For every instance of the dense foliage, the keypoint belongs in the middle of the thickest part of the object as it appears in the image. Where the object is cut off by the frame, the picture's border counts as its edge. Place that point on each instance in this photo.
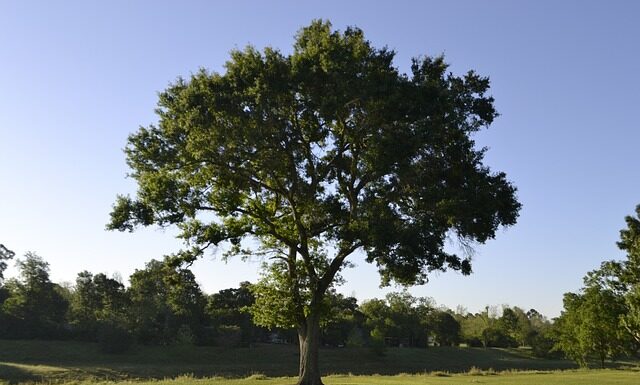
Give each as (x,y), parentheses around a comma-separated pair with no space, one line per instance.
(603,319)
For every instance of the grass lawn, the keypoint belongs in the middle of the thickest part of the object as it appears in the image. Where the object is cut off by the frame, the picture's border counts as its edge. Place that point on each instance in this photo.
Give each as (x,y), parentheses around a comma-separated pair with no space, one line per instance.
(579,377)
(593,377)
(67,361)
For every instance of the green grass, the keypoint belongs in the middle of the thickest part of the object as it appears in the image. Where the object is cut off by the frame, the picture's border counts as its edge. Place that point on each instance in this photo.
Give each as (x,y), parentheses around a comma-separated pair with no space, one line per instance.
(590,377)
(75,362)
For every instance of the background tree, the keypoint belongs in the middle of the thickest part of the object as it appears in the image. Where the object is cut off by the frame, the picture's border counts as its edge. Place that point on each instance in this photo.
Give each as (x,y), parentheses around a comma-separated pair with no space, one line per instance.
(5,255)
(342,321)
(378,319)
(97,300)
(515,325)
(36,306)
(444,328)
(629,275)
(473,327)
(543,335)
(399,318)
(409,315)
(164,299)
(231,307)
(318,154)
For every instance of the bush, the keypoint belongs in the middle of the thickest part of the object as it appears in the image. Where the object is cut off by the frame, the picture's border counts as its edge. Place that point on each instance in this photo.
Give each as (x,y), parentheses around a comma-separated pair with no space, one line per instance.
(113,339)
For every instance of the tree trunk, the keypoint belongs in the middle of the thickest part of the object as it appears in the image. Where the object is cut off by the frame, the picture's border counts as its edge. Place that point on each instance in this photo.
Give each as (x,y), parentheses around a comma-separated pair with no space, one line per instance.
(309,339)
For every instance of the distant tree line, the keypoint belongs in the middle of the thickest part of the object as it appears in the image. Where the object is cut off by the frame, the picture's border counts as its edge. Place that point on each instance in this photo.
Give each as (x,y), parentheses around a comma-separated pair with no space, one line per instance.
(164,305)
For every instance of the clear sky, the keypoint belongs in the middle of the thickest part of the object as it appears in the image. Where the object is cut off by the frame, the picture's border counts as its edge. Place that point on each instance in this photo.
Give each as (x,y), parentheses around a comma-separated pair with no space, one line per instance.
(76,77)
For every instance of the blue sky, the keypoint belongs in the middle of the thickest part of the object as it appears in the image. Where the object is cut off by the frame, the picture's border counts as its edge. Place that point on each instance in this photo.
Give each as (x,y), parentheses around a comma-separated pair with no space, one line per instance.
(77,77)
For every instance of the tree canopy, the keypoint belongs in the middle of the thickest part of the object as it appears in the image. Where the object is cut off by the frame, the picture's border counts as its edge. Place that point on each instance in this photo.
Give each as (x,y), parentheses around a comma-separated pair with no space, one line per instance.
(604,319)
(317,154)
(5,255)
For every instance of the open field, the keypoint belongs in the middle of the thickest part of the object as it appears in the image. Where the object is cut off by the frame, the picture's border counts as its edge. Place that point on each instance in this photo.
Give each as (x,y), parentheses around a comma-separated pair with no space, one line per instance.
(62,362)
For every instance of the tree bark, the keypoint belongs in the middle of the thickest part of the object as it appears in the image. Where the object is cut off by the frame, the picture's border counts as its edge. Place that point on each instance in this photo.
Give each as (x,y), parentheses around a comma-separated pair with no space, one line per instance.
(309,339)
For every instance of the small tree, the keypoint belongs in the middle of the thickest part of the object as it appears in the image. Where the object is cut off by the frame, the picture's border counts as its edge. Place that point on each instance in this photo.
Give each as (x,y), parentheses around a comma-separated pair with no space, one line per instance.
(316,155)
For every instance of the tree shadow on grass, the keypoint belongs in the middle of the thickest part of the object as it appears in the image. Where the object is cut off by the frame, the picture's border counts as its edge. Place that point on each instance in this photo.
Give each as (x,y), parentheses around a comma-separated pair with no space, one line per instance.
(271,360)
(14,374)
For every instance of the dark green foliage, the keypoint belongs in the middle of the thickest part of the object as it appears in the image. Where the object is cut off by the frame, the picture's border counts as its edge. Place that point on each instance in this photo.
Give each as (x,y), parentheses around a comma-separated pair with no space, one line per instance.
(113,338)
(343,320)
(231,307)
(163,298)
(228,336)
(97,300)
(5,255)
(495,337)
(35,307)
(444,328)
(400,319)
(377,343)
(543,342)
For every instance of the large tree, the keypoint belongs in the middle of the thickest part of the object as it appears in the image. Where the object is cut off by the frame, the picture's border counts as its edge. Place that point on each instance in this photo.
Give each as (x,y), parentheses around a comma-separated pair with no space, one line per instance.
(590,325)
(623,277)
(317,154)
(604,319)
